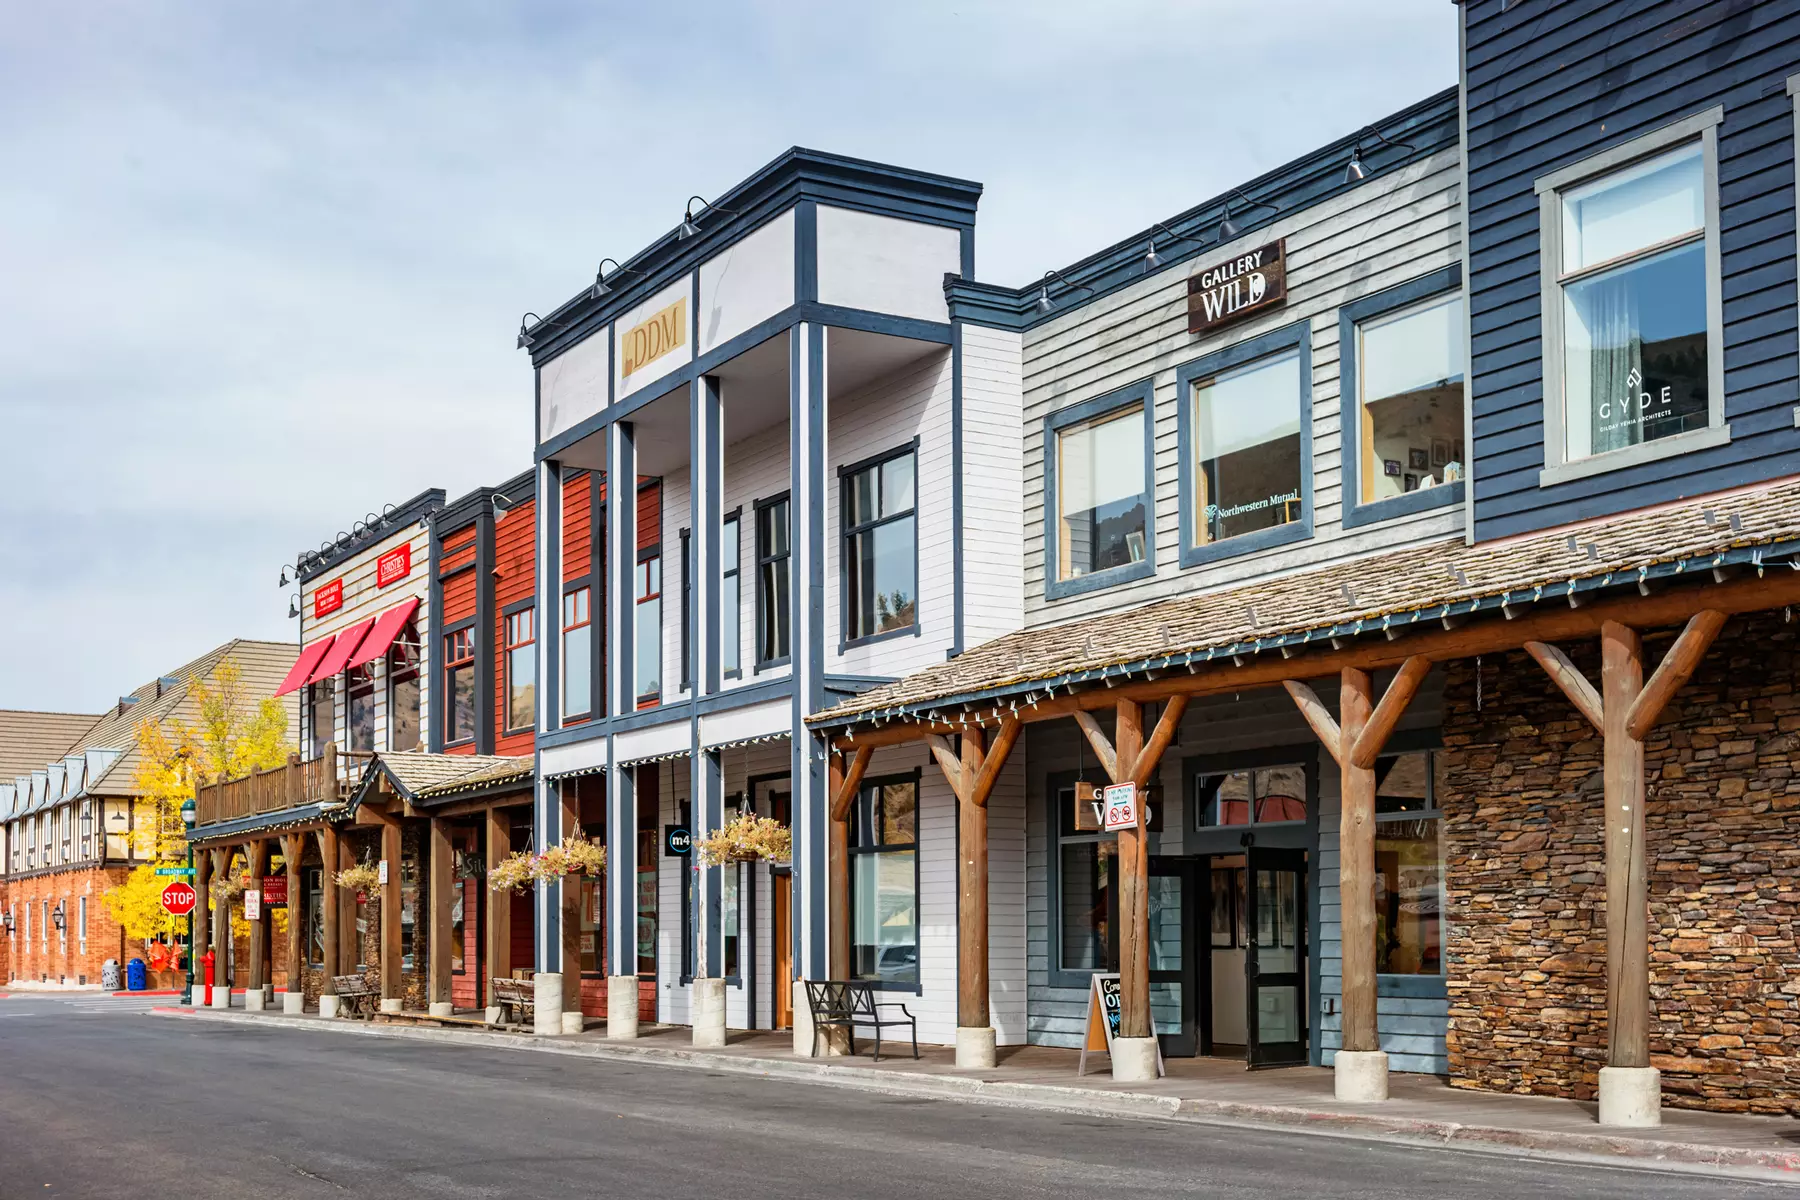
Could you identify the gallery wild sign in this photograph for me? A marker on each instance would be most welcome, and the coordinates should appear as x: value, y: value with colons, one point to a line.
x: 1238, y: 287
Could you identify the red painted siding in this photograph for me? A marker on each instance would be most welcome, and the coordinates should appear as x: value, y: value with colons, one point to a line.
x: 515, y: 579
x: 578, y: 524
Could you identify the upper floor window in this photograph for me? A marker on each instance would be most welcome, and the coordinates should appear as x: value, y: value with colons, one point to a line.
x: 521, y: 669
x: 648, y: 656
x: 459, y: 685
x: 577, y: 652
x: 1098, y: 492
x: 687, y: 607
x: 321, y: 707
x: 1633, y: 366
x: 731, y: 617
x: 360, y: 733
x: 881, y: 565
x: 773, y: 558
x: 403, y: 691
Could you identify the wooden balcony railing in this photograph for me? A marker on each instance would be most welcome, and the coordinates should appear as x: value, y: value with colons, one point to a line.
x: 316, y: 781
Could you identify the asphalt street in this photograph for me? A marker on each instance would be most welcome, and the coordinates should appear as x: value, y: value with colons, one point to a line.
x: 102, y: 1101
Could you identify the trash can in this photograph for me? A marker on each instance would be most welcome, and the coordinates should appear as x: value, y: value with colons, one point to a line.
x: 109, y: 974
x: 137, y: 976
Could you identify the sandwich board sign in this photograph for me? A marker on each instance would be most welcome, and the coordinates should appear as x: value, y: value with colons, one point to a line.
x: 1121, y: 806
x: 1102, y: 1025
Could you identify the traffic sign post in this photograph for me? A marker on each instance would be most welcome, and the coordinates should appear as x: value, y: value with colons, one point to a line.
x: 179, y: 898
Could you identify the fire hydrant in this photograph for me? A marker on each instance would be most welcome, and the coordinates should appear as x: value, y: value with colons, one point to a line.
x: 206, y: 960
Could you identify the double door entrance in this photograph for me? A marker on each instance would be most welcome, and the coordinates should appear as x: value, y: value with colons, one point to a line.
x: 1228, y: 955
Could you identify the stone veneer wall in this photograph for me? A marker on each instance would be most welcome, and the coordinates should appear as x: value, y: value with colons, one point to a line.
x: 1525, y: 880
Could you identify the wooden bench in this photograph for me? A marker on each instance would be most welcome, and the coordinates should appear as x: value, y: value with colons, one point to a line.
x: 517, y: 996
x: 356, y: 995
x: 846, y: 1004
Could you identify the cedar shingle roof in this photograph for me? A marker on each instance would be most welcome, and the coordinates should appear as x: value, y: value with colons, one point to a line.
x: 436, y: 776
x: 1372, y: 593
x: 30, y: 740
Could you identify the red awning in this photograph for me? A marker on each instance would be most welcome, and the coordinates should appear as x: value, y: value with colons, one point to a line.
x: 387, y: 627
x: 303, y: 666
x: 341, y: 650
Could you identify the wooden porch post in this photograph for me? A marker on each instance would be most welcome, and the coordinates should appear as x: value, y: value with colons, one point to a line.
x: 221, y: 927
x: 201, y: 936
x: 256, y: 865
x: 1625, y: 709
x: 393, y: 989
x: 328, y: 916
x: 293, y: 846
x: 499, y: 904
x: 350, y: 951
x: 442, y: 887
x: 844, y: 784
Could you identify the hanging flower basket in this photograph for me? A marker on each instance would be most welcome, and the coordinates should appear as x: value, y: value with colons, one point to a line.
x: 514, y: 873
x: 364, y: 877
x: 224, y: 891
x: 746, y: 838
x: 574, y: 855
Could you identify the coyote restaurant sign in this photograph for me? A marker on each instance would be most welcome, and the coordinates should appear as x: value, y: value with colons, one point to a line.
x: 1239, y: 287
x: 654, y: 337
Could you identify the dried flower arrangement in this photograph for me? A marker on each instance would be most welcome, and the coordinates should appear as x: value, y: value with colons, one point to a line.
x: 363, y: 877
x: 574, y: 855
x: 745, y: 838
x: 226, y: 889
x: 514, y: 873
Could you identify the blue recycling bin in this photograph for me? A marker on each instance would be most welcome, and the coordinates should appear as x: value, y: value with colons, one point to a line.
x: 137, y: 976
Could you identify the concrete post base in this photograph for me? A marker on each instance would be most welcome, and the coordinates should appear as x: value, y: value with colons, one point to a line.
x: 1361, y: 1076
x: 573, y: 1022
x: 392, y: 1004
x: 1631, y: 1096
x: 1133, y: 1059
x: 253, y: 1000
x: 830, y: 1042
x: 621, y: 1007
x: 441, y: 1008
x: 975, y: 1046
x: 293, y: 1004
x: 493, y: 1015
x: 707, y: 998
x: 221, y: 997
x: 328, y: 1006
x: 546, y: 1003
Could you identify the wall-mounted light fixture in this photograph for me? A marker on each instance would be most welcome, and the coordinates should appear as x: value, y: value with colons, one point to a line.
x: 501, y: 506
x: 1228, y: 228
x: 525, y: 328
x: 1354, y: 171
x: 294, y: 606
x: 1153, y: 260
x: 687, y: 228
x: 601, y: 287
x: 1044, y: 303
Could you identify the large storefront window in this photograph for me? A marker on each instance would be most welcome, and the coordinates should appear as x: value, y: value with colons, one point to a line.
x: 313, y: 888
x: 1261, y: 796
x: 409, y: 914
x: 1247, y: 450
x: 884, y: 882
x: 1087, y: 868
x: 1102, y: 494
x: 1409, y: 868
x: 1410, y: 376
x: 593, y: 924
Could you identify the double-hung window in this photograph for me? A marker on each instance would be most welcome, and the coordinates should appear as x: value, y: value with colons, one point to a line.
x: 459, y: 685
x: 403, y: 690
x: 1246, y: 446
x: 1098, y: 492
x: 884, y: 881
x: 1402, y: 375
x: 360, y: 734
x: 521, y: 669
x: 881, y: 566
x: 577, y: 652
x: 1632, y: 312
x: 647, y: 649
x: 773, y: 560
x: 321, y: 708
x: 730, y: 597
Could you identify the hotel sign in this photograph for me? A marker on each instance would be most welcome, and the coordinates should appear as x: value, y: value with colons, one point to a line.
x: 654, y: 337
x: 1242, y: 286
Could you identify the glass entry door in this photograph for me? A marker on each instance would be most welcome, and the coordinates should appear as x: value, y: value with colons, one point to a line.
x: 1276, y: 962
x: 1174, y: 986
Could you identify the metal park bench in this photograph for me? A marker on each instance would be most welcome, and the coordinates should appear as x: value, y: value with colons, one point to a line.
x: 516, y: 996
x: 356, y: 994
x: 849, y: 1003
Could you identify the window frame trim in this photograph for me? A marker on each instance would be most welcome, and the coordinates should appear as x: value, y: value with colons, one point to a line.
x: 736, y: 569
x: 1057, y: 975
x: 569, y: 588
x: 1296, y: 338
x: 446, y: 665
x: 846, y: 531
x: 759, y: 663
x: 1558, y: 468
x: 1087, y: 412
x: 642, y: 700
x: 1437, y: 285
x: 916, y: 777
x: 506, y: 648
x: 1427, y: 987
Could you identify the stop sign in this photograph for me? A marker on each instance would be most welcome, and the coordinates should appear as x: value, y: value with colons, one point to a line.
x: 179, y: 898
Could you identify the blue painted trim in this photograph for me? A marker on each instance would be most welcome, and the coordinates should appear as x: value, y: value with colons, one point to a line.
x: 806, y: 252
x: 957, y: 573
x: 1141, y: 394
x: 855, y: 684
x: 875, y: 322
x: 621, y: 496
x: 743, y: 697
x: 1296, y: 338
x: 547, y: 697
x: 811, y: 695
x: 1355, y: 513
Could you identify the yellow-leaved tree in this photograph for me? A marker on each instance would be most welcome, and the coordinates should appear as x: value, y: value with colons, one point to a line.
x: 230, y: 736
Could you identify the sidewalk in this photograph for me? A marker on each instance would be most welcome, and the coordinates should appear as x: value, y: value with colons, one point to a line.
x: 1421, y: 1108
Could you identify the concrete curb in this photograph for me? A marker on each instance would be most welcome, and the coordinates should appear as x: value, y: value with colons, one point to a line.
x: 1645, y: 1152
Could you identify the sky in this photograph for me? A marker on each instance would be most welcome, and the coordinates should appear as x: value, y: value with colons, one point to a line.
x: 261, y: 265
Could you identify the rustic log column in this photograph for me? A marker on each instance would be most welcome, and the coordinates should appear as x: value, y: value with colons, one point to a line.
x: 1134, y: 889
x: 293, y: 1000
x: 1356, y: 868
x: 328, y: 917
x: 975, y: 1044
x: 256, y: 976
x: 201, y: 934
x: 499, y: 908
x: 221, y: 933
x: 393, y: 987
x: 442, y: 887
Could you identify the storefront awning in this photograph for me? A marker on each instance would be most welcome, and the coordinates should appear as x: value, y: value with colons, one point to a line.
x: 301, y: 673
x: 341, y: 650
x: 387, y: 627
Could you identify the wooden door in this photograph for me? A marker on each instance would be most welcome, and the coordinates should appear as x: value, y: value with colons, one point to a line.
x: 782, y: 977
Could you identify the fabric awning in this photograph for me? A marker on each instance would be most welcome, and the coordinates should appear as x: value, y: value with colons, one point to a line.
x: 341, y: 650
x: 387, y: 627
x: 301, y: 672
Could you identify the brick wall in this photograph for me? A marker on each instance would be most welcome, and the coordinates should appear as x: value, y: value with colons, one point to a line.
x: 61, y: 958
x: 1525, y: 878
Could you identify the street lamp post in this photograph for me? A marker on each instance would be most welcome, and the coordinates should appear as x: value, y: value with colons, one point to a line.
x: 187, y: 823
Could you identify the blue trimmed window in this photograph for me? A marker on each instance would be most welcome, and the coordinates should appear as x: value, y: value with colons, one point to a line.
x: 1402, y: 374
x: 1246, y: 447
x: 1098, y: 493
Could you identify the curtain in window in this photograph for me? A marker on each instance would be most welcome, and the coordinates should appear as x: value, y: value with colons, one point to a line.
x: 1605, y: 312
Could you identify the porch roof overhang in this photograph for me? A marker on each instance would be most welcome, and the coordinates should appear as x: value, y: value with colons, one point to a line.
x: 1736, y: 552
x: 264, y: 823
x: 427, y: 780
